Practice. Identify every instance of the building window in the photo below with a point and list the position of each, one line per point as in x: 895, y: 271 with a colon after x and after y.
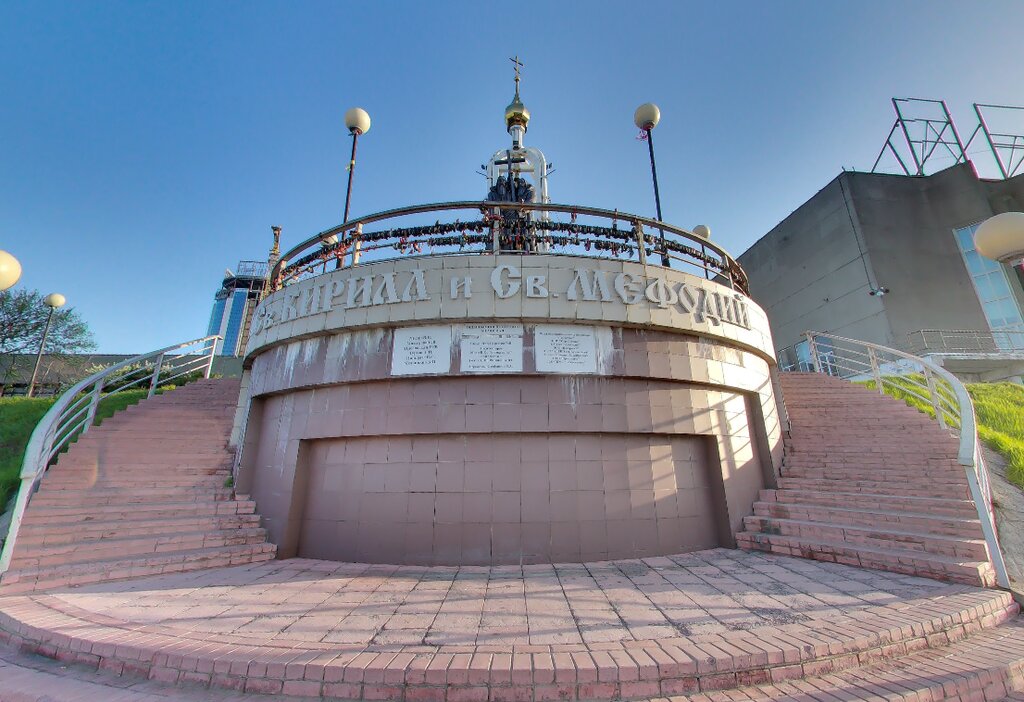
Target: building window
x: 215, y: 317
x: 994, y: 292
x: 236, y: 315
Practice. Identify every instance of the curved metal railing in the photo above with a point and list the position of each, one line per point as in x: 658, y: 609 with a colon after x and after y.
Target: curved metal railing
x: 75, y: 411
x: 924, y: 383
x: 510, y: 227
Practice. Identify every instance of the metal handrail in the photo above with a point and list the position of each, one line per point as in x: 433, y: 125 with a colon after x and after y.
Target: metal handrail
x: 64, y: 423
x: 855, y: 360
x: 494, y: 230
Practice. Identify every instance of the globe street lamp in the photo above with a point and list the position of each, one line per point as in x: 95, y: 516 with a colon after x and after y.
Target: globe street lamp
x: 646, y: 118
x: 358, y: 122
x: 53, y: 301
x: 10, y: 270
x: 1001, y: 238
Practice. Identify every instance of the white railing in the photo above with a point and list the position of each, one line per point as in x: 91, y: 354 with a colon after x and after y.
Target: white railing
x: 75, y: 411
x: 930, y: 385
x: 966, y: 341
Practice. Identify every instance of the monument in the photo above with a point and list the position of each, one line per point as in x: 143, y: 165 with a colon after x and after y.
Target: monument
x: 520, y: 385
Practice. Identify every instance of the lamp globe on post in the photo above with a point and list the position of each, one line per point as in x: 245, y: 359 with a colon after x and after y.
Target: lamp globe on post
x: 10, y: 270
x: 1001, y: 238
x: 357, y: 120
x: 53, y: 301
x: 646, y: 118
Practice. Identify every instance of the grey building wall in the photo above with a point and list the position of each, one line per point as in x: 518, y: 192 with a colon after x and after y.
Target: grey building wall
x: 815, y: 269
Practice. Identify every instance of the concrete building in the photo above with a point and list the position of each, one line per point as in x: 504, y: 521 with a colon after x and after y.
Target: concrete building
x: 890, y: 259
x: 234, y: 303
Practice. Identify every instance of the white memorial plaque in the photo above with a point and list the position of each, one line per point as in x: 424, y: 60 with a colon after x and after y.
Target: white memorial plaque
x: 492, y: 348
x: 422, y: 350
x: 565, y: 349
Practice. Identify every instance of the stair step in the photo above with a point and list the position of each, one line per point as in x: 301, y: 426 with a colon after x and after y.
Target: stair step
x: 31, y: 555
x: 927, y: 565
x: 28, y: 579
x: 959, y: 548
x: 930, y: 505
x: 882, y: 519
x: 880, y: 487
x: 47, y: 515
x: 91, y: 531
x: 129, y: 496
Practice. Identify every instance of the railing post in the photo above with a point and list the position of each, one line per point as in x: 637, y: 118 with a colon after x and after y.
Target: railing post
x: 357, y: 244
x: 934, y: 394
x: 94, y: 403
x: 156, y: 375
x: 873, y: 357
x: 638, y: 234
x: 812, y: 348
x: 496, y: 232
x: 209, y: 363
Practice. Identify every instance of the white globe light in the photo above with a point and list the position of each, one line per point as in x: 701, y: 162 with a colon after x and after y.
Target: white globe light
x: 329, y: 240
x: 54, y: 300
x: 1001, y: 237
x: 10, y: 270
x: 703, y: 231
x: 647, y: 116
x: 357, y: 120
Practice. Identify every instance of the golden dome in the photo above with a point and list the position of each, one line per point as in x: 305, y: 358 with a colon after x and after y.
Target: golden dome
x: 516, y: 112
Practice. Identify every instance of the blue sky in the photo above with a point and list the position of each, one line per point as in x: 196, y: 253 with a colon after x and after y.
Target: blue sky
x: 145, y: 147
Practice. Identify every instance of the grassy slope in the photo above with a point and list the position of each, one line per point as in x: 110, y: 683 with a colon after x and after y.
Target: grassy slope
x: 19, y: 416
x: 1000, y: 411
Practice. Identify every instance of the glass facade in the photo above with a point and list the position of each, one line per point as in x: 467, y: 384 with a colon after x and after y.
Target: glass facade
x: 994, y: 293
x: 216, y: 316
x: 235, y: 318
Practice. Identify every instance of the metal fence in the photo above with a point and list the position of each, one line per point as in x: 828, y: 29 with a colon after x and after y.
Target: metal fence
x: 75, y: 411
x: 965, y: 341
x: 925, y: 384
x: 508, y: 227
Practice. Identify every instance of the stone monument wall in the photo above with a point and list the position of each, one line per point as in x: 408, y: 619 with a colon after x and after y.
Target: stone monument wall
x: 510, y: 409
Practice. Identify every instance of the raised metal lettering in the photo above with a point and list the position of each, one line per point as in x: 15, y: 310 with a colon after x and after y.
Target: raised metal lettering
x: 505, y: 288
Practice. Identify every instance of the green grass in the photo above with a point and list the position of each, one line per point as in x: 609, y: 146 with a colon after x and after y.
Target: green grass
x: 999, y: 408
x: 19, y: 416
x: 1000, y: 411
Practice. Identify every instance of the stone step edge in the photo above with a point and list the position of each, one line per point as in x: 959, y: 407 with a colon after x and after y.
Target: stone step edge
x: 598, y: 671
x: 94, y: 544
x: 70, y: 510
x: 988, y: 667
x: 882, y: 533
x: 90, y: 531
x: 943, y: 501
x: 965, y: 521
x: 889, y: 560
x: 140, y: 562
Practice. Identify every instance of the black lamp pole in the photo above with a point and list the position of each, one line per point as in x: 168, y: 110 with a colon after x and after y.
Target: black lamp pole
x: 351, y: 172
x: 665, y: 261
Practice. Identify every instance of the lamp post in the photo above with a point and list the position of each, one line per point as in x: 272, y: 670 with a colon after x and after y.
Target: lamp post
x: 358, y: 122
x: 53, y: 301
x: 646, y: 118
x: 10, y: 270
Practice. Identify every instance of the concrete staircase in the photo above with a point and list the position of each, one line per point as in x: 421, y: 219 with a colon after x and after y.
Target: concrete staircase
x: 142, y: 494
x: 869, y: 481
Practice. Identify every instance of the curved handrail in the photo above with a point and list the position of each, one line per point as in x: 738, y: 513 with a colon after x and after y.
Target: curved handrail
x: 725, y: 264
x: 881, y: 364
x: 74, y: 411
